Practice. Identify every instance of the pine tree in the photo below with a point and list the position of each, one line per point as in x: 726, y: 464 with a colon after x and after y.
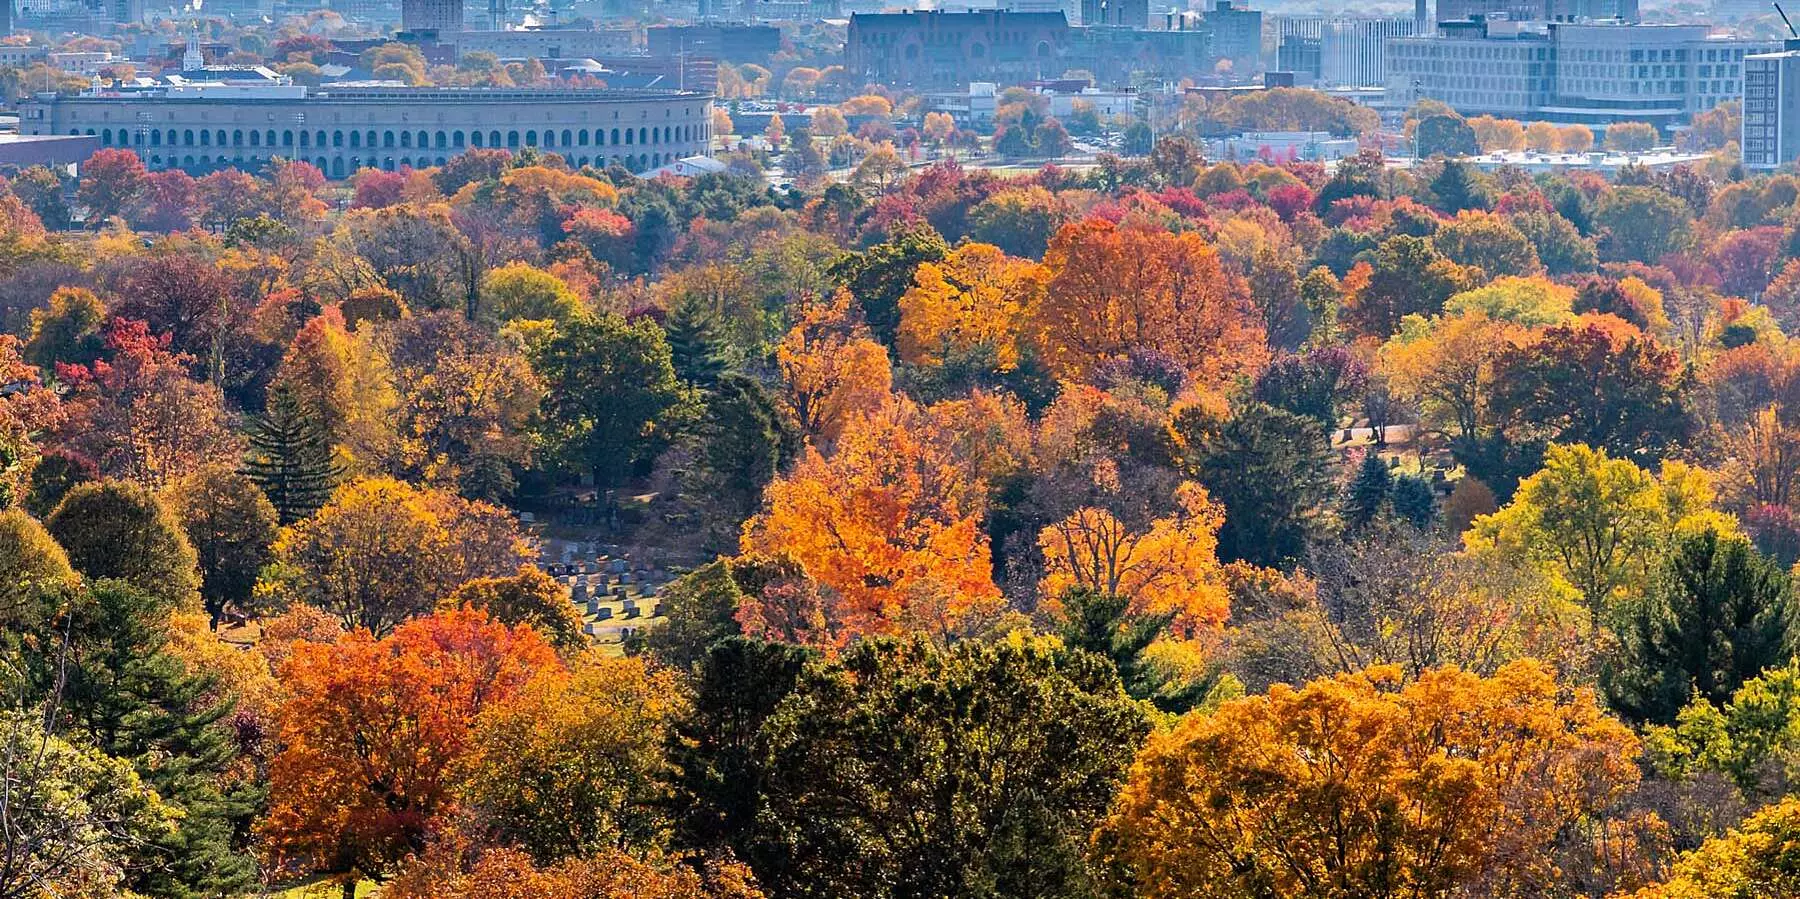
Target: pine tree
x: 1718, y: 615
x: 1369, y: 491
x: 127, y: 693
x: 1413, y: 501
x: 290, y: 457
x: 696, y: 347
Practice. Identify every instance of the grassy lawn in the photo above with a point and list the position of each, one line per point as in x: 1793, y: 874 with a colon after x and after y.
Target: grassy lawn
x: 326, y: 889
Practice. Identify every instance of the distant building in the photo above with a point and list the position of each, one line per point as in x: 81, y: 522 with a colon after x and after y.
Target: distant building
x: 737, y: 43
x: 1122, y: 13
x: 1116, y: 55
x: 542, y: 43
x: 244, y: 122
x: 1236, y: 35
x: 1771, y: 137
x: 1538, y: 10
x: 939, y: 49
x: 432, y: 18
x: 1282, y: 146
x: 1338, y: 51
x: 1591, y: 73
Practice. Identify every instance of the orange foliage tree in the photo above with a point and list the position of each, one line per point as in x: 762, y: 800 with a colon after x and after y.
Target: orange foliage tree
x: 1118, y: 288
x: 890, y: 522
x: 1361, y: 785
x: 1171, y: 568
x: 831, y: 369
x: 977, y: 301
x: 371, y: 730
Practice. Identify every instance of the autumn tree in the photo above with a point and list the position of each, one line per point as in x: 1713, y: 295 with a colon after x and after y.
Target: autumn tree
x: 612, y: 399
x: 1116, y: 288
x: 1367, y: 784
x: 1598, y: 524
x: 371, y: 731
x: 138, y: 413
x: 574, y: 763
x: 977, y: 303
x: 1641, y: 224
x: 891, y: 522
x: 116, y: 529
x: 1407, y: 277
x: 831, y: 369
x: 1595, y: 382
x: 35, y: 574
x: 111, y: 181
x: 75, y: 813
x: 1170, y: 570
x: 529, y: 597
x: 382, y: 551
x: 232, y: 526
x: 464, y: 403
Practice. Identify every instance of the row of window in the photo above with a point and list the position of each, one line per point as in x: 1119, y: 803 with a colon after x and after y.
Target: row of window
x: 443, y: 140
x: 343, y: 168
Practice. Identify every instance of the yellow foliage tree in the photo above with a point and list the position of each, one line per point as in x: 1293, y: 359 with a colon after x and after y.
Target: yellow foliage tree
x: 1169, y: 568
x: 1599, y: 525
x: 1363, y: 785
x: 977, y: 301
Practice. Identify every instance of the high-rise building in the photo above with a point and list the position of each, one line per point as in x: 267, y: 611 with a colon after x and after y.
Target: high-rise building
x: 1591, y: 73
x: 1771, y: 135
x: 1236, y: 35
x: 1339, y: 51
x: 431, y: 17
x: 1123, y: 13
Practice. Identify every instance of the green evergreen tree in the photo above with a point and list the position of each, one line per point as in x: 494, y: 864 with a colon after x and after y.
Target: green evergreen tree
x: 1272, y: 471
x: 744, y: 440
x: 696, y: 347
x: 1099, y: 623
x: 1458, y: 188
x: 1718, y: 615
x: 1414, y: 501
x: 713, y: 751
x: 290, y: 457
x: 1369, y: 491
x: 135, y: 700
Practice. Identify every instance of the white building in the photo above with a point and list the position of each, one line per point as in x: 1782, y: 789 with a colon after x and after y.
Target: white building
x: 1340, y: 51
x: 1283, y: 146
x: 1593, y: 73
x: 206, y: 125
x: 1771, y: 136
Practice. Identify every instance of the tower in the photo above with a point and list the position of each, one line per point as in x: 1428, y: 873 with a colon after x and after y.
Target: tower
x: 193, y: 60
x: 432, y: 17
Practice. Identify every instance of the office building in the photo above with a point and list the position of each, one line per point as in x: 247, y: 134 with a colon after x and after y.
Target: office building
x: 1538, y: 10
x: 940, y: 49
x: 1236, y: 35
x: 1338, y: 51
x: 1119, y: 13
x: 244, y: 122
x: 1590, y: 73
x: 1771, y: 137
